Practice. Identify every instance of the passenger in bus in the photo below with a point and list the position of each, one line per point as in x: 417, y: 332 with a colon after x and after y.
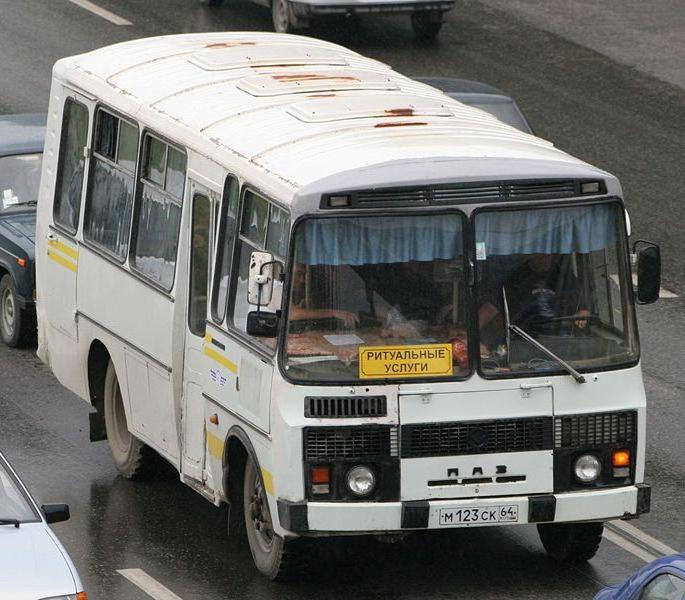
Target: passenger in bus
x: 543, y: 297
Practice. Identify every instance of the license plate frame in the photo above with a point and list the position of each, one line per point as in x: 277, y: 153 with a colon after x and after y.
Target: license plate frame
x: 460, y: 516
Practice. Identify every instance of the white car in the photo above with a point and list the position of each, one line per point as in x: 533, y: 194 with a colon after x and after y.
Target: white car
x: 33, y: 563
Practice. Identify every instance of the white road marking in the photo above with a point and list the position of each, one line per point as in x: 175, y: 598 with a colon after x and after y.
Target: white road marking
x: 148, y: 584
x: 643, y: 537
x: 101, y: 12
x: 628, y: 546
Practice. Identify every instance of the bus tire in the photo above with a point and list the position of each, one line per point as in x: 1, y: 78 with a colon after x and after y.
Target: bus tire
x: 426, y: 24
x: 571, y: 542
x: 14, y: 322
x: 132, y: 458
x: 273, y: 556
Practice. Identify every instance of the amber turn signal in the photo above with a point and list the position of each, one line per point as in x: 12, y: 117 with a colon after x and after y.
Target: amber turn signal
x: 620, y: 458
x: 81, y: 596
x: 21, y: 262
x: 321, y: 475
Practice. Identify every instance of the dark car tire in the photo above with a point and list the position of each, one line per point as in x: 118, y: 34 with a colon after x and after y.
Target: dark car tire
x: 571, y: 542
x: 274, y: 557
x: 426, y: 24
x: 15, y: 323
x: 212, y: 3
x: 132, y: 458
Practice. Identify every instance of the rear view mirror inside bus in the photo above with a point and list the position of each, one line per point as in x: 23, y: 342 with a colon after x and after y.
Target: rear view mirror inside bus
x: 260, y: 278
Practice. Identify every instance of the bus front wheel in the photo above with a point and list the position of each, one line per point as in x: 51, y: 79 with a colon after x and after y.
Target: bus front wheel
x: 132, y: 457
x: 571, y: 542
x: 272, y: 555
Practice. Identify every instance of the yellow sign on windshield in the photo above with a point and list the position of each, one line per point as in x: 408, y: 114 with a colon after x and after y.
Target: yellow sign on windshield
x: 423, y: 360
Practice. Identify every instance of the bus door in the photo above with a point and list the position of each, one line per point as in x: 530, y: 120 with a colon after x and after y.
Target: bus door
x: 58, y: 280
x: 202, y: 209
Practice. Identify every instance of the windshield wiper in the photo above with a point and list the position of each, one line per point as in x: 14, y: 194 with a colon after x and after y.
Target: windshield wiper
x: 14, y: 522
x: 531, y: 340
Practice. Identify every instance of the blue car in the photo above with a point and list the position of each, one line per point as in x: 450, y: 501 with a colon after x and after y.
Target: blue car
x: 663, y: 579
x: 21, y: 154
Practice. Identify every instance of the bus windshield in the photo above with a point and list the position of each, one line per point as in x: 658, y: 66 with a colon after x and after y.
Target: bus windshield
x: 557, y: 275
x: 395, y: 282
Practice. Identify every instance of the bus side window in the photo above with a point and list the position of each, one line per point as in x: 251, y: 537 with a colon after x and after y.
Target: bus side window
x: 69, y: 184
x: 109, y: 201
x: 224, y: 252
x: 157, y: 215
x: 199, y: 261
x: 262, y: 227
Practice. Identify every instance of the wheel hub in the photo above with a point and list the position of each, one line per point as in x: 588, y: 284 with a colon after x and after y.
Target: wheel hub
x: 8, y: 311
x: 261, y: 516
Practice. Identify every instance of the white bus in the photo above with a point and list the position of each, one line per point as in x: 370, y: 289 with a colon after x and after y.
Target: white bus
x: 336, y: 299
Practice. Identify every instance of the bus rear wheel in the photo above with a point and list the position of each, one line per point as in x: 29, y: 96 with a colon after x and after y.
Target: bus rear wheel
x: 132, y: 458
x: 571, y: 542
x: 273, y: 556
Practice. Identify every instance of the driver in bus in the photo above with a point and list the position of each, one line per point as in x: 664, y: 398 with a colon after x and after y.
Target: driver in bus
x: 541, y: 295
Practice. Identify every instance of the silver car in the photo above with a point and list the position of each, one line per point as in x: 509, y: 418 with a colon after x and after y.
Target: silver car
x: 33, y: 563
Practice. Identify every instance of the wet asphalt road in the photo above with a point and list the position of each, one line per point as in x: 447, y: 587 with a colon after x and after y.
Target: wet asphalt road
x: 626, y: 120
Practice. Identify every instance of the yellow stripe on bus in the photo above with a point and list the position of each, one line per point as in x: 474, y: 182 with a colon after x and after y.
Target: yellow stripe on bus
x: 68, y: 250
x: 268, y: 480
x: 60, y: 260
x: 215, y: 445
x: 221, y: 359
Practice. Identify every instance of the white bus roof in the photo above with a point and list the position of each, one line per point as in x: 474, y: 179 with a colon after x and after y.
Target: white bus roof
x: 298, y: 109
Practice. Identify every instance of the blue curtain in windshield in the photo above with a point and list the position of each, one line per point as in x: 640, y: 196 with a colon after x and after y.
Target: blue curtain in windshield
x: 374, y: 240
x: 581, y: 229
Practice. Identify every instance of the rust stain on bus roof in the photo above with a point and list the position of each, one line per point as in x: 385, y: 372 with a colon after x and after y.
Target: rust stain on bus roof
x: 314, y: 77
x: 399, y: 112
x: 233, y: 44
x: 403, y: 124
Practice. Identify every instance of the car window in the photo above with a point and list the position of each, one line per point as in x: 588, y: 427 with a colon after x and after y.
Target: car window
x: 19, y: 179
x: 13, y: 503
x: 664, y: 587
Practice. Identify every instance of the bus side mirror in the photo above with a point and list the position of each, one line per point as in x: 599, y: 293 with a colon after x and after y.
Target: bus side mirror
x: 55, y: 513
x: 260, y: 278
x: 262, y: 324
x: 648, y: 271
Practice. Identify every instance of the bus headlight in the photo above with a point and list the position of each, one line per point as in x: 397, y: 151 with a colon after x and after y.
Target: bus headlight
x: 587, y: 468
x: 361, y: 480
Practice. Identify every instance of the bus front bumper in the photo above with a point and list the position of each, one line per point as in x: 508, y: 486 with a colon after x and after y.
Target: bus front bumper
x: 371, y: 517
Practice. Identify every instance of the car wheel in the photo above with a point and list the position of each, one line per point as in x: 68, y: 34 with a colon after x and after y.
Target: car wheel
x: 426, y: 24
x: 283, y: 18
x: 272, y: 555
x: 132, y: 458
x: 13, y: 320
x: 571, y: 542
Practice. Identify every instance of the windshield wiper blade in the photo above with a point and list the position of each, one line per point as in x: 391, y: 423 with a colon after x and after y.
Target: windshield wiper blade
x: 14, y: 522
x: 510, y: 327
x: 577, y: 376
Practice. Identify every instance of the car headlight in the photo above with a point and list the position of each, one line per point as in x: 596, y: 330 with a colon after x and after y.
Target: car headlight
x: 361, y: 480
x: 587, y: 468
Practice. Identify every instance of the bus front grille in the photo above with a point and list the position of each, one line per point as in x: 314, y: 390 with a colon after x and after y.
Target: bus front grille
x: 364, y: 441
x: 599, y: 429
x: 341, y: 407
x: 476, y: 437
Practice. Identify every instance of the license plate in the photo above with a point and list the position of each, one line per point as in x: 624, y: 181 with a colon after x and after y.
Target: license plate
x: 507, y: 513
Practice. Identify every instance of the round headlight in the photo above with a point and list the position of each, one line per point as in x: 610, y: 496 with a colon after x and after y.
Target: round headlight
x: 361, y: 480
x: 587, y: 468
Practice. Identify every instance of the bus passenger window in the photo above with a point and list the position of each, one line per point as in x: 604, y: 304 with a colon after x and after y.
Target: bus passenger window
x: 199, y: 261
x: 69, y: 185
x: 109, y: 201
x: 158, y: 212
x: 227, y: 222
